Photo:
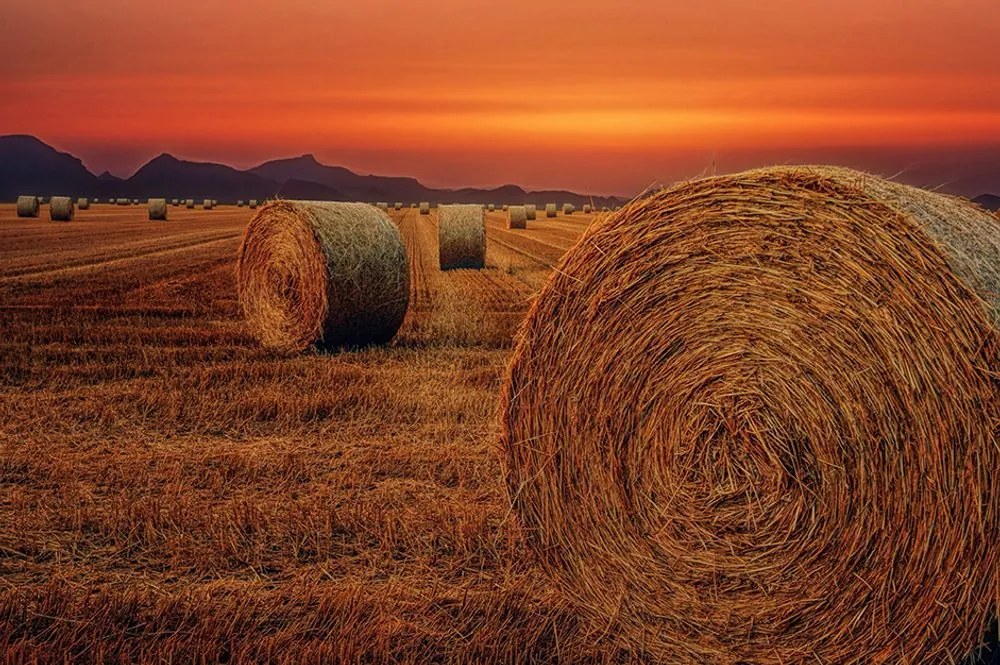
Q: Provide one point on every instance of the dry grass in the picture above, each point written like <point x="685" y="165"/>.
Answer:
<point x="158" y="209"/>
<point x="329" y="274"/>
<point x="61" y="209"/>
<point x="461" y="237"/>
<point x="754" y="418"/>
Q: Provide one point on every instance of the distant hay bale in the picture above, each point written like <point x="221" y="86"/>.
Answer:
<point x="461" y="237"/>
<point x="329" y="274"/>
<point x="586" y="208"/>
<point x="253" y="204"/>
<point x="568" y="208"/>
<point x="425" y="208"/>
<point x="530" y="211"/>
<point x="550" y="209"/>
<point x="123" y="202"/>
<point x="157" y="209"/>
<point x="399" y="205"/>
<point x="413" y="205"/>
<point x="517" y="217"/>
<point x="135" y="202"/>
<point x="754" y="418"/>
<point x="61" y="209"/>
<point x="239" y="204"/>
<point x="491" y="207"/>
<point x="504" y="207"/>
<point x="83" y="204"/>
<point x="175" y="202"/>
<point x="189" y="204"/>
<point x="27" y="206"/>
<point x="382" y="205"/>
<point x="208" y="204"/>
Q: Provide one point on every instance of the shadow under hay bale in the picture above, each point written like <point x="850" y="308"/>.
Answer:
<point x="753" y="418"/>
<point x="329" y="274"/>
<point x="461" y="237"/>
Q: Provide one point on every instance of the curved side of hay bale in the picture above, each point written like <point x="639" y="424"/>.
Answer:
<point x="157" y="209"/>
<point x="530" y="211"/>
<point x="329" y="274"/>
<point x="750" y="407"/>
<point x="550" y="209"/>
<point x="517" y="217"/>
<point x="425" y="208"/>
<point x="568" y="208"/>
<point x="461" y="237"/>
<point x="27" y="206"/>
<point x="61" y="209"/>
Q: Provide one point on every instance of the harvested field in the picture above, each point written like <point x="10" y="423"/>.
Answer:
<point x="201" y="498"/>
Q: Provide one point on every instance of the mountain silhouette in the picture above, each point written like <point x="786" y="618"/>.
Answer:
<point x="988" y="201"/>
<point x="29" y="166"/>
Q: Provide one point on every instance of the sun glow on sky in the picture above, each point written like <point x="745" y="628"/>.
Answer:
<point x="598" y="96"/>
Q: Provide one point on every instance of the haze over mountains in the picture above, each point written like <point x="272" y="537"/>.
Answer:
<point x="29" y="166"/>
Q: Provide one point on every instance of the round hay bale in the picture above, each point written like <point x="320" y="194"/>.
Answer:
<point x="382" y="205"/>
<point x="253" y="204"/>
<point x="517" y="217"/>
<point x="83" y="204"/>
<point x="504" y="207"/>
<point x="27" y="206"/>
<point x="61" y="209"/>
<point x="158" y="209"/>
<point x="189" y="204"/>
<point x="530" y="211"/>
<point x="175" y="202"/>
<point x="587" y="208"/>
<point x="413" y="205"/>
<point x="329" y="274"/>
<point x="568" y="208"/>
<point x="754" y="418"/>
<point x="491" y="207"/>
<point x="123" y="202"/>
<point x="550" y="209"/>
<point x="208" y="204"/>
<point x="461" y="237"/>
<point x="239" y="203"/>
<point x="398" y="205"/>
<point x="425" y="208"/>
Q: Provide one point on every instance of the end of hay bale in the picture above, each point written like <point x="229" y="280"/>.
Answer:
<point x="27" y="206"/>
<point x="157" y="209"/>
<point x="425" y="208"/>
<point x="61" y="209"/>
<point x="461" y="237"/>
<point x="324" y="274"/>
<point x="741" y="378"/>
<point x="517" y="217"/>
<point x="550" y="209"/>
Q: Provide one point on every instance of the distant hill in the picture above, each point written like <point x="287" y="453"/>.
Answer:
<point x="29" y="166"/>
<point x="988" y="201"/>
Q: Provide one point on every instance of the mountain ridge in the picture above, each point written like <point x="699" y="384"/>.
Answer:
<point x="30" y="166"/>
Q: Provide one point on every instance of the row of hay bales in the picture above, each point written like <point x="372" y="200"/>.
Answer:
<point x="62" y="208"/>
<point x="335" y="274"/>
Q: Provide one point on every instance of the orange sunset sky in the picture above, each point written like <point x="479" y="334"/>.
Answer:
<point x="601" y="97"/>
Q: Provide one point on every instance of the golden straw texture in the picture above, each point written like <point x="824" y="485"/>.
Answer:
<point x="61" y="209"/>
<point x="754" y="419"/>
<point x="550" y="209"/>
<point x="158" y="209"/>
<point x="27" y="206"/>
<point x="517" y="217"/>
<point x="330" y="274"/>
<point x="425" y="208"/>
<point x="530" y="211"/>
<point x="461" y="237"/>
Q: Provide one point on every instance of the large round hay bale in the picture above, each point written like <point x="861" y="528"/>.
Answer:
<point x="568" y="209"/>
<point x="550" y="209"/>
<point x="530" y="211"/>
<point x="461" y="237"/>
<point x="517" y="217"/>
<point x="61" y="209"/>
<point x="329" y="274"/>
<point x="754" y="418"/>
<point x="425" y="208"/>
<point x="208" y="204"/>
<point x="83" y="204"/>
<point x="157" y="209"/>
<point x="27" y="206"/>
